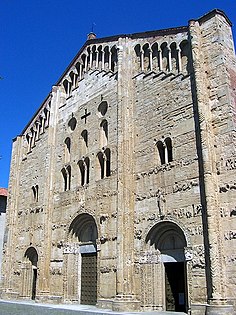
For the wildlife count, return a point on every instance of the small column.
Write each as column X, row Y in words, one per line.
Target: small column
column 91, row 59
column 169, row 59
column 160, row 59
column 80, row 71
column 179, row 59
column 142, row 61
column 109, row 59
column 150, row 59
column 97, row 55
column 103, row 59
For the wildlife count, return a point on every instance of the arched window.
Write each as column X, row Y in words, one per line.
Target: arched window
column 104, row 159
column 104, row 133
column 84, row 166
column 169, row 154
column 165, row 151
column 66, row 174
column 35, row 190
column 101, row 162
column 87, row 165
column 84, row 142
column 67, row 149
column 161, row 151
column 108, row 162
column 82, row 172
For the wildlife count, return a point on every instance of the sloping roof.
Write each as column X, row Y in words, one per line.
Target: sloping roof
column 3, row 192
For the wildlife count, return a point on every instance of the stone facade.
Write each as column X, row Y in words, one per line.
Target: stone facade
column 122, row 186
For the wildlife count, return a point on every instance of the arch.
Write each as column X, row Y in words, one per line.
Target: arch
column 29, row 273
column 165, row 56
column 107, row 153
column 104, row 133
column 84, row 228
column 67, row 149
column 114, row 59
column 169, row 241
column 168, row 143
column 146, row 57
column 101, row 163
column 155, row 57
column 66, row 174
column 184, row 52
column 161, row 151
column 165, row 236
column 82, row 286
column 174, row 57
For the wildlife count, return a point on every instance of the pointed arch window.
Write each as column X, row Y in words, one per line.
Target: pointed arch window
column 84, row 166
column 104, row 133
column 165, row 151
column 35, row 191
column 66, row 174
column 84, row 142
column 104, row 159
column 67, row 149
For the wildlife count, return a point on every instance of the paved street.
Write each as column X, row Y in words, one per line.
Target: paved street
column 32, row 308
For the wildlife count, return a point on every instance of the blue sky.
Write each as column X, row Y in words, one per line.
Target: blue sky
column 39, row 38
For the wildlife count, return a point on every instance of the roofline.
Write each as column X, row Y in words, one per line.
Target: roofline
column 210, row 14
column 113, row 38
column 160, row 32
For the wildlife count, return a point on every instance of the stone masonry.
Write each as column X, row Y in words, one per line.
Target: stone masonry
column 122, row 187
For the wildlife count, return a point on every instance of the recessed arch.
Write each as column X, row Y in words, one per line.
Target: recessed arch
column 84, row 228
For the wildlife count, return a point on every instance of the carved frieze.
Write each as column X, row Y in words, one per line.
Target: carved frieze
column 71, row 248
column 186, row 212
column 183, row 186
column 166, row 167
column 198, row 261
column 149, row 258
column 230, row 235
column 227, row 187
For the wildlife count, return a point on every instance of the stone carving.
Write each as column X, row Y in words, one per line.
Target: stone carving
column 188, row 252
column 230, row 235
column 230, row 164
column 198, row 261
column 161, row 203
column 227, row 212
column 106, row 269
column 166, row 167
column 149, row 258
column 184, row 186
column 195, row 230
column 138, row 234
column 187, row 212
column 228, row 186
column 56, row 271
column 72, row 248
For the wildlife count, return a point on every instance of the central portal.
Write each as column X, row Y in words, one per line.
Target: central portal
column 89, row 279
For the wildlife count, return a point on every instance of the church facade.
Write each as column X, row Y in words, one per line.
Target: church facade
column 122, row 187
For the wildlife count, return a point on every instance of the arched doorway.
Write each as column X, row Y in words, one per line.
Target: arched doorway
column 82, row 260
column 30, row 269
column 169, row 240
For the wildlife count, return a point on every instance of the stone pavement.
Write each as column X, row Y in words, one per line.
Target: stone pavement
column 32, row 308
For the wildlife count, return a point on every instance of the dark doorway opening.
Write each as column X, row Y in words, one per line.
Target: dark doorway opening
column 175, row 286
column 34, row 284
column 89, row 279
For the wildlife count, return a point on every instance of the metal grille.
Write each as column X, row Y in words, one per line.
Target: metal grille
column 89, row 279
